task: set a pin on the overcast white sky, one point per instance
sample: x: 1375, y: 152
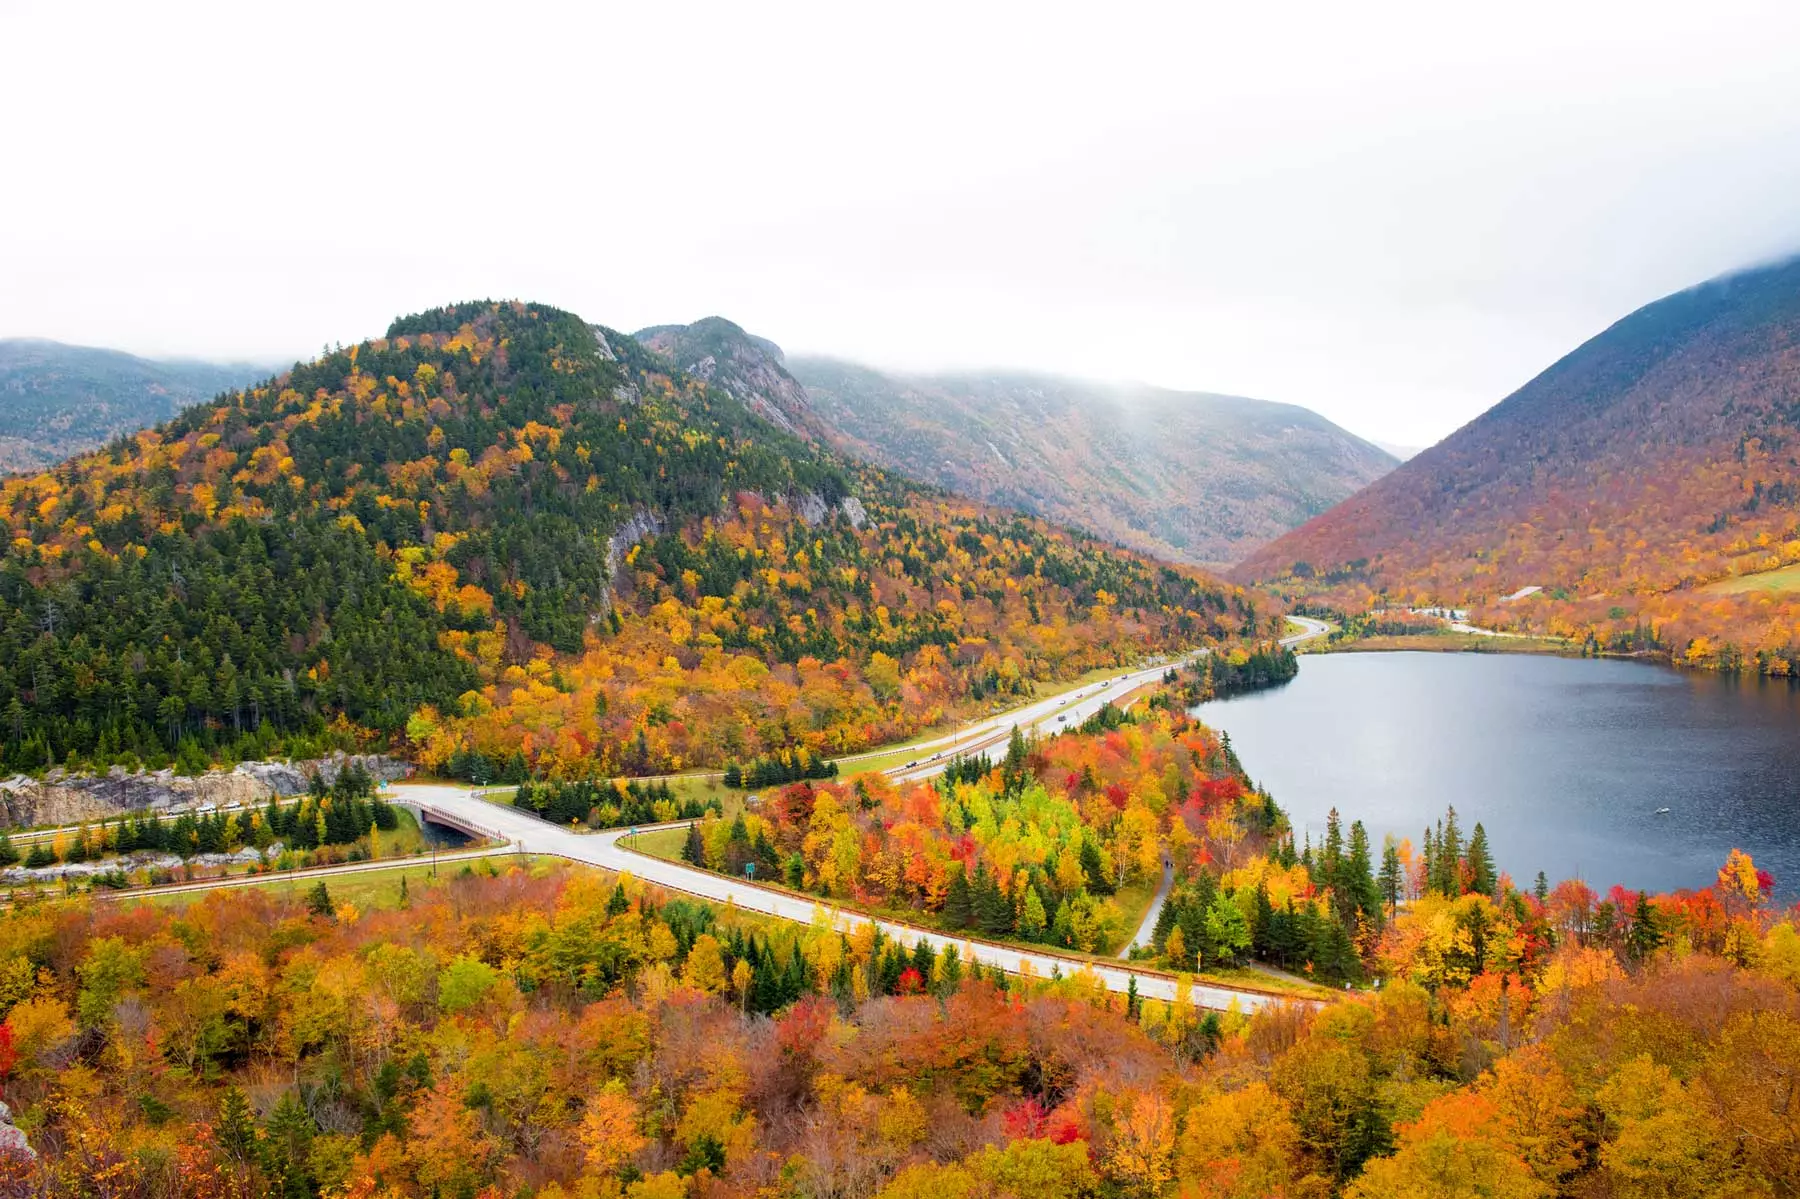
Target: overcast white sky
x: 1394, y: 214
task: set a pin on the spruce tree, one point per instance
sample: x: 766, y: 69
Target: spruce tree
x: 958, y: 905
x: 1646, y: 935
x: 236, y: 1132
x: 1541, y: 888
x: 1392, y: 876
x: 1450, y: 852
x: 949, y: 975
x: 1331, y: 857
x: 1482, y: 876
x: 1358, y: 874
x: 318, y: 901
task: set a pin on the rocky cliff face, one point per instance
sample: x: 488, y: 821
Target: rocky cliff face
x: 59, y: 798
x: 750, y: 369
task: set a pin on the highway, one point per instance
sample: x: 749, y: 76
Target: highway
x: 1051, y: 715
x: 519, y: 831
x: 459, y: 807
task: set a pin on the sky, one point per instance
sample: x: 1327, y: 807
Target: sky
x: 1394, y: 214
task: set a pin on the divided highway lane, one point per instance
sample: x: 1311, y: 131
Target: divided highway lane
x: 459, y: 807
x: 1057, y: 713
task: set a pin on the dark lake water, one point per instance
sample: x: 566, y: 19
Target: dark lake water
x: 1564, y: 761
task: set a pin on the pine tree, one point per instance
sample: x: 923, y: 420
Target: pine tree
x: 1646, y: 934
x: 949, y: 975
x: 1094, y: 869
x: 287, y: 1149
x: 1541, y: 888
x: 1483, y: 878
x: 1165, y: 923
x: 1428, y: 858
x: 1450, y: 852
x: 1392, y: 877
x: 1012, y: 769
x: 617, y: 904
x: 1331, y: 857
x: 1134, y: 1003
x: 693, y: 850
x: 993, y: 911
x: 236, y: 1132
x: 1358, y: 874
x: 318, y: 901
x: 958, y: 905
x: 1263, y: 925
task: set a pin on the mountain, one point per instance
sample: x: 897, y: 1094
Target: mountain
x: 1182, y: 475
x: 508, y: 541
x: 57, y: 400
x: 1185, y: 475
x: 749, y: 369
x: 1648, y: 483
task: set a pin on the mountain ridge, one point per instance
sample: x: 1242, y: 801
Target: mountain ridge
x: 58, y: 399
x: 1189, y: 476
x: 1657, y: 459
x: 514, y: 543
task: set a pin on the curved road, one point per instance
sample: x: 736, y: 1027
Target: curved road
x: 522, y: 831
x: 453, y: 805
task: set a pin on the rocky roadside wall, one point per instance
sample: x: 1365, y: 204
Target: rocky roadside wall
x: 59, y: 798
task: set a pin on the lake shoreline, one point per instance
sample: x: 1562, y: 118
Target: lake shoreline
x: 1568, y: 761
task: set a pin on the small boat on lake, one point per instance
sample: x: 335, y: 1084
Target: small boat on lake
x: 1662, y: 811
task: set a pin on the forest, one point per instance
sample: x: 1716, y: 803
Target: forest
x: 513, y: 544
x: 546, y: 1031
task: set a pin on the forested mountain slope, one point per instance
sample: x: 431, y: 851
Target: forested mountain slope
x: 505, y: 538
x: 1647, y: 482
x: 1182, y: 475
x: 57, y: 400
x: 1186, y: 475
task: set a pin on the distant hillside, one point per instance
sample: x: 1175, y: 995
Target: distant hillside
x: 57, y: 400
x: 509, y: 542
x: 1187, y: 476
x: 1649, y: 483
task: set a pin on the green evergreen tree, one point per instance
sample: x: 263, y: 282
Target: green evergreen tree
x: 1359, y: 876
x: 1331, y: 856
x: 949, y: 970
x: 318, y: 901
x: 236, y: 1131
x: 1645, y: 936
x: 1393, y: 876
x: 1483, y: 878
x: 1450, y: 853
x: 287, y: 1149
x: 1541, y: 888
x: 959, y: 911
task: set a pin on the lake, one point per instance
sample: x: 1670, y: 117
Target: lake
x: 1564, y: 761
